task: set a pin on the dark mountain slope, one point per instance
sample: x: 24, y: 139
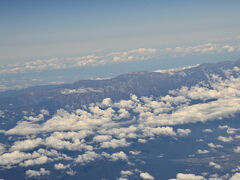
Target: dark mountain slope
x: 140, y: 83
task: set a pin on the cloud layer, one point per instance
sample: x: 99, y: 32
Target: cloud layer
x: 139, y: 54
x: 108, y: 125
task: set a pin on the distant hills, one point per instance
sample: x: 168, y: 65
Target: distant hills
x: 83, y: 92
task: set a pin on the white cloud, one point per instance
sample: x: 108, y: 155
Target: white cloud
x: 26, y: 144
x: 166, y: 131
x: 126, y: 173
x: 107, y: 102
x: 237, y: 149
x: 122, y: 178
x: 225, y: 139
x: 102, y: 138
x: 71, y: 172
x: 229, y: 48
x: 2, y: 114
x: 223, y: 126
x: 87, y: 157
x: 215, y: 165
x: 176, y: 70
x: 208, y: 130
x: 142, y: 140
x: 57, y: 141
x: 237, y: 137
x: 80, y: 91
x: 212, y: 145
x: 139, y: 54
x: 199, y: 151
x: 123, y: 113
x: 236, y: 176
x: 116, y: 156
x: 61, y: 166
x: 98, y: 126
x: 40, y: 117
x: 232, y: 130
x: 36, y: 174
x: 115, y: 143
x: 44, y: 112
x: 119, y: 156
x: 146, y: 175
x: 214, y: 177
x: 183, y: 132
x: 37, y: 161
x: 135, y: 152
x: 181, y: 176
x: 41, y: 156
x: 15, y: 157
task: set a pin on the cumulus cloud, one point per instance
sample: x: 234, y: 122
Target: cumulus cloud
x: 142, y: 140
x: 183, y: 132
x: 215, y: 165
x: 119, y: 156
x: 165, y: 131
x: 102, y: 138
x: 35, y: 173
x: 61, y: 166
x: 115, y: 143
x: 71, y: 172
x: 41, y: 156
x: 26, y: 144
x: 58, y: 141
x: 37, y: 161
x: 15, y: 157
x: 40, y: 117
x: 218, y: 177
x: 87, y: 157
x: 146, y: 175
x: 199, y: 151
x: 126, y: 173
x: 237, y: 149
x: 223, y: 126
x: 225, y: 139
x: 116, y: 156
x: 201, y: 111
x: 212, y: 145
x: 232, y: 130
x: 44, y: 112
x: 236, y: 176
x: 181, y: 176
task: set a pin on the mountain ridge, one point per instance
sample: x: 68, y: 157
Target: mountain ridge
x: 140, y: 83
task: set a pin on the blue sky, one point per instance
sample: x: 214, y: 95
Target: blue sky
x: 32, y: 29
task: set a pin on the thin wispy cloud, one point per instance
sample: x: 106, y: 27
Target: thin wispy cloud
x: 139, y: 54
